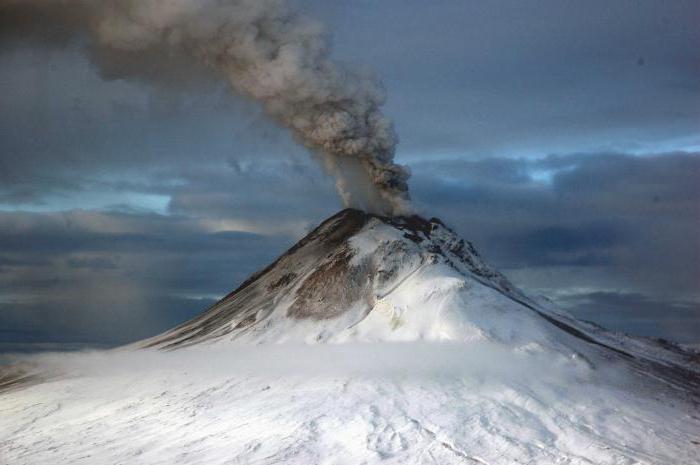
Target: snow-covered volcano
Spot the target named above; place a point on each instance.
(442, 361)
(360, 277)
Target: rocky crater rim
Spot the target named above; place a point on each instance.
(352, 220)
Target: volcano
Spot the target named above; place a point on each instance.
(372, 340)
(357, 277)
(360, 277)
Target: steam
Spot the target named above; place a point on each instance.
(270, 54)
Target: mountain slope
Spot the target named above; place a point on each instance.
(364, 277)
(442, 361)
(334, 278)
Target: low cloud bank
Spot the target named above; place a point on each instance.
(480, 360)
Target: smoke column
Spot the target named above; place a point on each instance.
(270, 54)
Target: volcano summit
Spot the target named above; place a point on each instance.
(357, 277)
(372, 340)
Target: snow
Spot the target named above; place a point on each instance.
(392, 403)
(370, 238)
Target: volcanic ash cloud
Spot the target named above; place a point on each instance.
(266, 52)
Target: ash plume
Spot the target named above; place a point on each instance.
(266, 52)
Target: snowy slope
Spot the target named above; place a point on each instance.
(373, 340)
(399, 403)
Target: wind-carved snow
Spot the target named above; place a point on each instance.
(430, 356)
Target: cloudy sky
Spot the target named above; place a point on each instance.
(562, 138)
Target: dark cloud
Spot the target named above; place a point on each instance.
(512, 77)
(49, 25)
(638, 314)
(85, 277)
(636, 215)
(106, 320)
(58, 25)
(580, 245)
(92, 263)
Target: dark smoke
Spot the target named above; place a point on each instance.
(266, 52)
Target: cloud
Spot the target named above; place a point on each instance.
(88, 277)
(501, 78)
(92, 316)
(600, 202)
(263, 50)
(638, 313)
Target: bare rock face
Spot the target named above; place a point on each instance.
(332, 288)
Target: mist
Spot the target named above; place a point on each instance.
(478, 359)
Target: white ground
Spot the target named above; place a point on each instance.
(397, 403)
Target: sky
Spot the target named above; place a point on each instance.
(561, 138)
